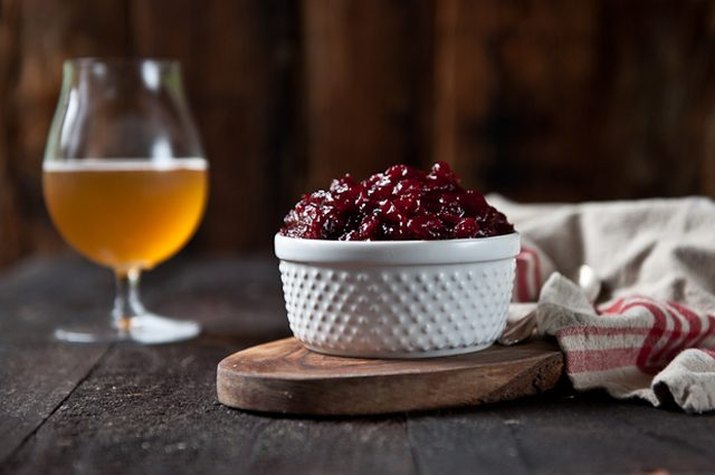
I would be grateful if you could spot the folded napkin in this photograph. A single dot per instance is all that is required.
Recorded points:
(653, 333)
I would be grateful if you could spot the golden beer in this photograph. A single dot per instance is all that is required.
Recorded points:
(126, 214)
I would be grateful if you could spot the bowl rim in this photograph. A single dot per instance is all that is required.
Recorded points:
(447, 251)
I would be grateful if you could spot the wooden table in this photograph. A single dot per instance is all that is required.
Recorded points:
(105, 409)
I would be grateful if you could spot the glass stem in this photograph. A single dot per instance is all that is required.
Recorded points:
(127, 303)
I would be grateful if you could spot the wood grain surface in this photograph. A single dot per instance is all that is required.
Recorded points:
(135, 410)
(284, 377)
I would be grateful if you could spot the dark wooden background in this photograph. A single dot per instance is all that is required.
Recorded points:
(538, 100)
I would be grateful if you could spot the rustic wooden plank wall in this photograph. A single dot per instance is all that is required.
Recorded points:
(560, 100)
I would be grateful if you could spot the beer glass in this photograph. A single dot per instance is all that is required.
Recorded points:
(125, 183)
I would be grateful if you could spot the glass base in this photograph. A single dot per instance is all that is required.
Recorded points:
(145, 329)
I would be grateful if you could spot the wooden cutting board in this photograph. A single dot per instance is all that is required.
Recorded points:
(284, 377)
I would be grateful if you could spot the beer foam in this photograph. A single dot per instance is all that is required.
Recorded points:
(119, 164)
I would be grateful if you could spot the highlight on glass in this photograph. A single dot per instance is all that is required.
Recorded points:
(125, 181)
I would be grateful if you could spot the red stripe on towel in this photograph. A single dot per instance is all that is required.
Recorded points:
(615, 308)
(694, 328)
(673, 342)
(535, 270)
(694, 322)
(522, 284)
(705, 333)
(603, 331)
(528, 275)
(584, 361)
(644, 360)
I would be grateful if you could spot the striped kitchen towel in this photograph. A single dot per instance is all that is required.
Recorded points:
(633, 347)
(653, 334)
(533, 267)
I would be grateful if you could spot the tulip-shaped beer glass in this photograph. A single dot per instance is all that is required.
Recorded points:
(125, 182)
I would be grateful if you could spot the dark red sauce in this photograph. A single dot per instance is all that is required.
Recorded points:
(399, 204)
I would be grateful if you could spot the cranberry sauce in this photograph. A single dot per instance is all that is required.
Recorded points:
(401, 203)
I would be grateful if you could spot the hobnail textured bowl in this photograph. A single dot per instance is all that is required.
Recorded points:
(397, 299)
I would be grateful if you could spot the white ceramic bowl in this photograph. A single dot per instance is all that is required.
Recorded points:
(397, 299)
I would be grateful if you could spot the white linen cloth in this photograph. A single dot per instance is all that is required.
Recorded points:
(652, 333)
